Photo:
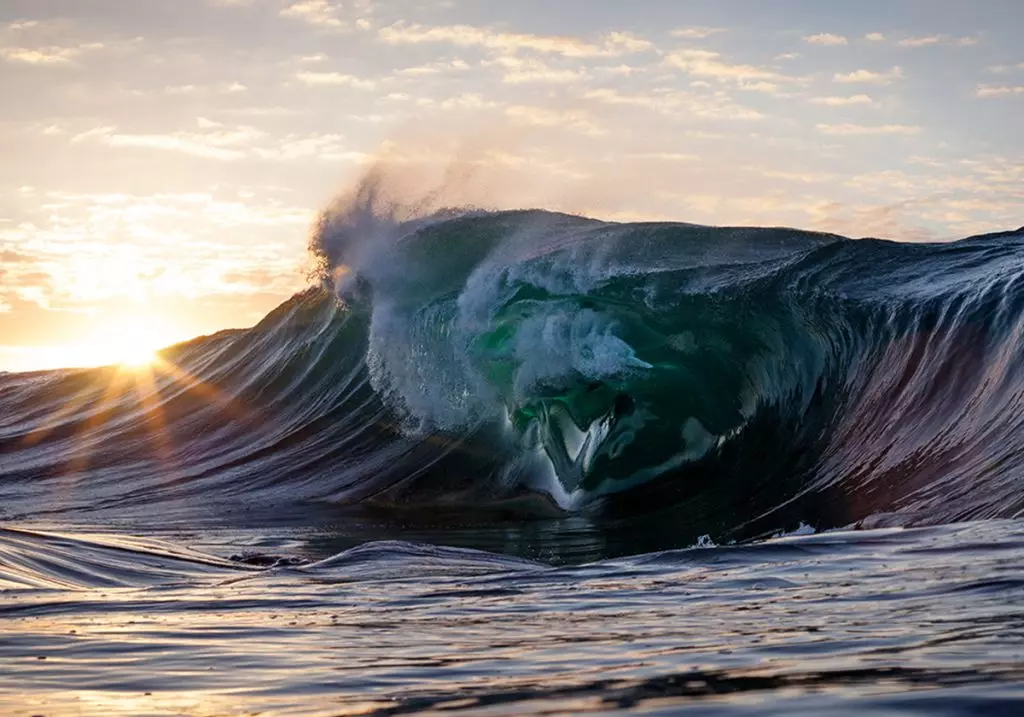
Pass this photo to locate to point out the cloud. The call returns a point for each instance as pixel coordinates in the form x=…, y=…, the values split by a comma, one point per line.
x=9, y=256
x=869, y=77
x=988, y=91
x=224, y=88
x=664, y=156
x=625, y=43
x=696, y=33
x=704, y=63
x=320, y=79
x=90, y=248
x=842, y=101
x=678, y=104
x=769, y=88
x=1003, y=69
x=543, y=117
x=40, y=56
x=920, y=41
x=46, y=44
x=19, y=25
x=855, y=130
x=792, y=176
x=97, y=132
x=435, y=68
x=329, y=147
x=532, y=70
x=613, y=44
x=931, y=40
x=198, y=145
x=467, y=101
x=319, y=13
x=215, y=142
x=875, y=37
x=827, y=39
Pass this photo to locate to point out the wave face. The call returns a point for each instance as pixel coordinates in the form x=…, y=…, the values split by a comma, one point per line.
x=675, y=378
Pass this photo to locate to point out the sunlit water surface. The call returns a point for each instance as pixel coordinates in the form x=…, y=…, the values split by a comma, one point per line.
x=921, y=621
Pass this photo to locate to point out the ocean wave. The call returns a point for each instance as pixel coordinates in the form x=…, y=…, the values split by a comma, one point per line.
x=723, y=381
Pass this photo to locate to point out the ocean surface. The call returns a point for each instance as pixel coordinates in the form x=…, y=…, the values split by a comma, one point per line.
x=509, y=463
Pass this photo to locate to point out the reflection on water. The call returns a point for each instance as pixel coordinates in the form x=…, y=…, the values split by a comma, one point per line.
x=884, y=621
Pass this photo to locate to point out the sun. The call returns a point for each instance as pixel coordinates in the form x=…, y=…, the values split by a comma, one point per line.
x=128, y=342
x=132, y=355
x=131, y=343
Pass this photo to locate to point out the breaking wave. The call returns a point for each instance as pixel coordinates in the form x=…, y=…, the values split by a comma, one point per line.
x=723, y=381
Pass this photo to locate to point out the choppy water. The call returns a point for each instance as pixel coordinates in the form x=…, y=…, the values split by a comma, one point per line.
x=566, y=405
x=885, y=621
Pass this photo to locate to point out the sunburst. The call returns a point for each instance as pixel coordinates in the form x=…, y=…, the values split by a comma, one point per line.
x=137, y=379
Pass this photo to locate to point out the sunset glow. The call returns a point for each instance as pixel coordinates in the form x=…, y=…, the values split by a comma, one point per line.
x=175, y=167
x=132, y=343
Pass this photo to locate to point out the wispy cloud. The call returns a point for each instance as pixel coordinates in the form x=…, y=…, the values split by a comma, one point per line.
x=931, y=40
x=842, y=101
x=875, y=37
x=805, y=177
x=853, y=130
x=665, y=157
x=318, y=13
x=328, y=147
x=1003, y=69
x=869, y=77
x=988, y=91
x=827, y=39
x=696, y=33
x=705, y=63
x=543, y=117
x=50, y=55
x=214, y=140
x=336, y=79
x=613, y=44
x=19, y=25
x=435, y=68
x=624, y=43
x=222, y=145
x=223, y=88
x=518, y=70
x=473, y=101
x=678, y=104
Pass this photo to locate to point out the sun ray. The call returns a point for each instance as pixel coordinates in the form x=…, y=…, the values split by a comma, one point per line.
x=137, y=383
x=206, y=390
x=152, y=411
x=49, y=424
x=79, y=459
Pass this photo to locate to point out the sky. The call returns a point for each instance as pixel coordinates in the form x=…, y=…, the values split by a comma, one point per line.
x=163, y=161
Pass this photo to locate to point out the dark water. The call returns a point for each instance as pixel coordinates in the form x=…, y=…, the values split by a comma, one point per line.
x=484, y=467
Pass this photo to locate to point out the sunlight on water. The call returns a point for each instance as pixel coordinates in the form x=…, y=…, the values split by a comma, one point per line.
x=874, y=619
